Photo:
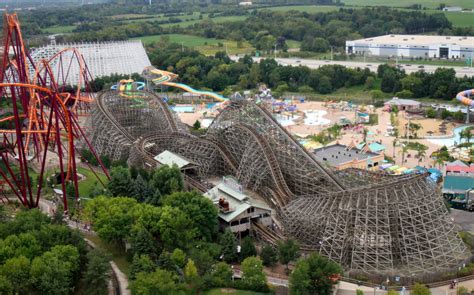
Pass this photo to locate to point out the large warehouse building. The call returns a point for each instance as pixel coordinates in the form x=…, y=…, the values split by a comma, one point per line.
x=414, y=46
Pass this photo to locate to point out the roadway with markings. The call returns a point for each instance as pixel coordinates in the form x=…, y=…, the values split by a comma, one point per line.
x=314, y=64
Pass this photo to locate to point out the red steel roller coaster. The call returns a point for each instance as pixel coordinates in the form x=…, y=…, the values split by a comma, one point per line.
x=43, y=123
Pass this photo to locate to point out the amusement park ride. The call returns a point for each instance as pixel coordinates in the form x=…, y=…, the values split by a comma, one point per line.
x=44, y=121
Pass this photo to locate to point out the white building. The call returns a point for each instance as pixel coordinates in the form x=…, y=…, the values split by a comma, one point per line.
x=414, y=46
x=237, y=209
x=245, y=3
x=452, y=8
x=102, y=59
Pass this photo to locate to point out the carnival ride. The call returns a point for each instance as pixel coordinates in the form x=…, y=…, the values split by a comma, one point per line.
x=43, y=124
x=368, y=222
x=165, y=78
x=464, y=97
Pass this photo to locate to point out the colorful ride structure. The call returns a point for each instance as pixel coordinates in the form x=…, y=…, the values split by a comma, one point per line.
x=165, y=78
x=39, y=120
x=464, y=97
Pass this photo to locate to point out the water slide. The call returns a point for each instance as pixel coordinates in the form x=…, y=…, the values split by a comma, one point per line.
x=463, y=97
x=159, y=77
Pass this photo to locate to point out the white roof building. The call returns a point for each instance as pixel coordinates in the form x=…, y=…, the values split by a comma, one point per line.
x=422, y=46
x=170, y=159
x=237, y=208
x=101, y=58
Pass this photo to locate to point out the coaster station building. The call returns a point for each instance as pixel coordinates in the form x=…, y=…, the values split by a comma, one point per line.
x=414, y=46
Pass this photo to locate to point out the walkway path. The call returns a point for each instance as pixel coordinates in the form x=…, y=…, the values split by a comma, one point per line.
x=48, y=207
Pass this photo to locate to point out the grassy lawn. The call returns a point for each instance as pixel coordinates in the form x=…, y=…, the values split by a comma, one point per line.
x=59, y=29
x=118, y=255
x=217, y=19
x=461, y=19
x=219, y=291
x=305, y=8
x=86, y=185
x=292, y=44
x=207, y=46
x=405, y=3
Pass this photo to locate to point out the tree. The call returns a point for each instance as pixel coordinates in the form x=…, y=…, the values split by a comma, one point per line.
x=197, y=125
x=191, y=276
x=458, y=116
x=420, y=289
x=142, y=242
x=159, y=282
x=288, y=251
x=404, y=94
x=179, y=257
x=176, y=229
x=53, y=272
x=141, y=190
x=430, y=113
x=269, y=255
x=121, y=183
x=365, y=131
x=221, y=274
x=404, y=151
x=112, y=218
x=421, y=153
x=314, y=275
x=6, y=287
x=369, y=84
x=248, y=248
x=97, y=273
x=141, y=264
x=200, y=211
x=229, y=246
x=17, y=271
x=324, y=85
x=253, y=277
x=167, y=179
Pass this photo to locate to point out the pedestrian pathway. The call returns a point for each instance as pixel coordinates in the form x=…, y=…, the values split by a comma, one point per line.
x=48, y=207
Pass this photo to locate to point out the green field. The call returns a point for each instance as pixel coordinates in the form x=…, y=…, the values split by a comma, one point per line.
x=461, y=19
x=88, y=184
x=59, y=29
x=305, y=8
x=405, y=3
x=217, y=19
x=293, y=44
x=207, y=46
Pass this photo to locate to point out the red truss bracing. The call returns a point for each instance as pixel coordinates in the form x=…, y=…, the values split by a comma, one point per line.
x=43, y=124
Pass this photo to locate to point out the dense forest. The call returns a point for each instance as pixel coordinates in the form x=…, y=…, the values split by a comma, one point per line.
x=40, y=255
x=221, y=74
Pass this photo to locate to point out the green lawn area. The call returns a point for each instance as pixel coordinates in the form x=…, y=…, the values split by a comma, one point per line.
x=405, y=3
x=59, y=29
x=305, y=8
x=118, y=255
x=86, y=185
x=223, y=291
x=461, y=19
x=292, y=44
x=205, y=45
x=217, y=19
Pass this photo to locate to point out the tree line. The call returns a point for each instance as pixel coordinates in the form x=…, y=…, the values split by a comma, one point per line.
x=219, y=73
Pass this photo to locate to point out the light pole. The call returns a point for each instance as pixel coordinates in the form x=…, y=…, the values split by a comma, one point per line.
x=275, y=52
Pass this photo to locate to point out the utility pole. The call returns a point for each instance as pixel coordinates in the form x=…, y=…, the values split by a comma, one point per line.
x=275, y=52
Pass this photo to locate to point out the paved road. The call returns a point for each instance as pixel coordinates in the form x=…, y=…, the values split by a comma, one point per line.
x=314, y=64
